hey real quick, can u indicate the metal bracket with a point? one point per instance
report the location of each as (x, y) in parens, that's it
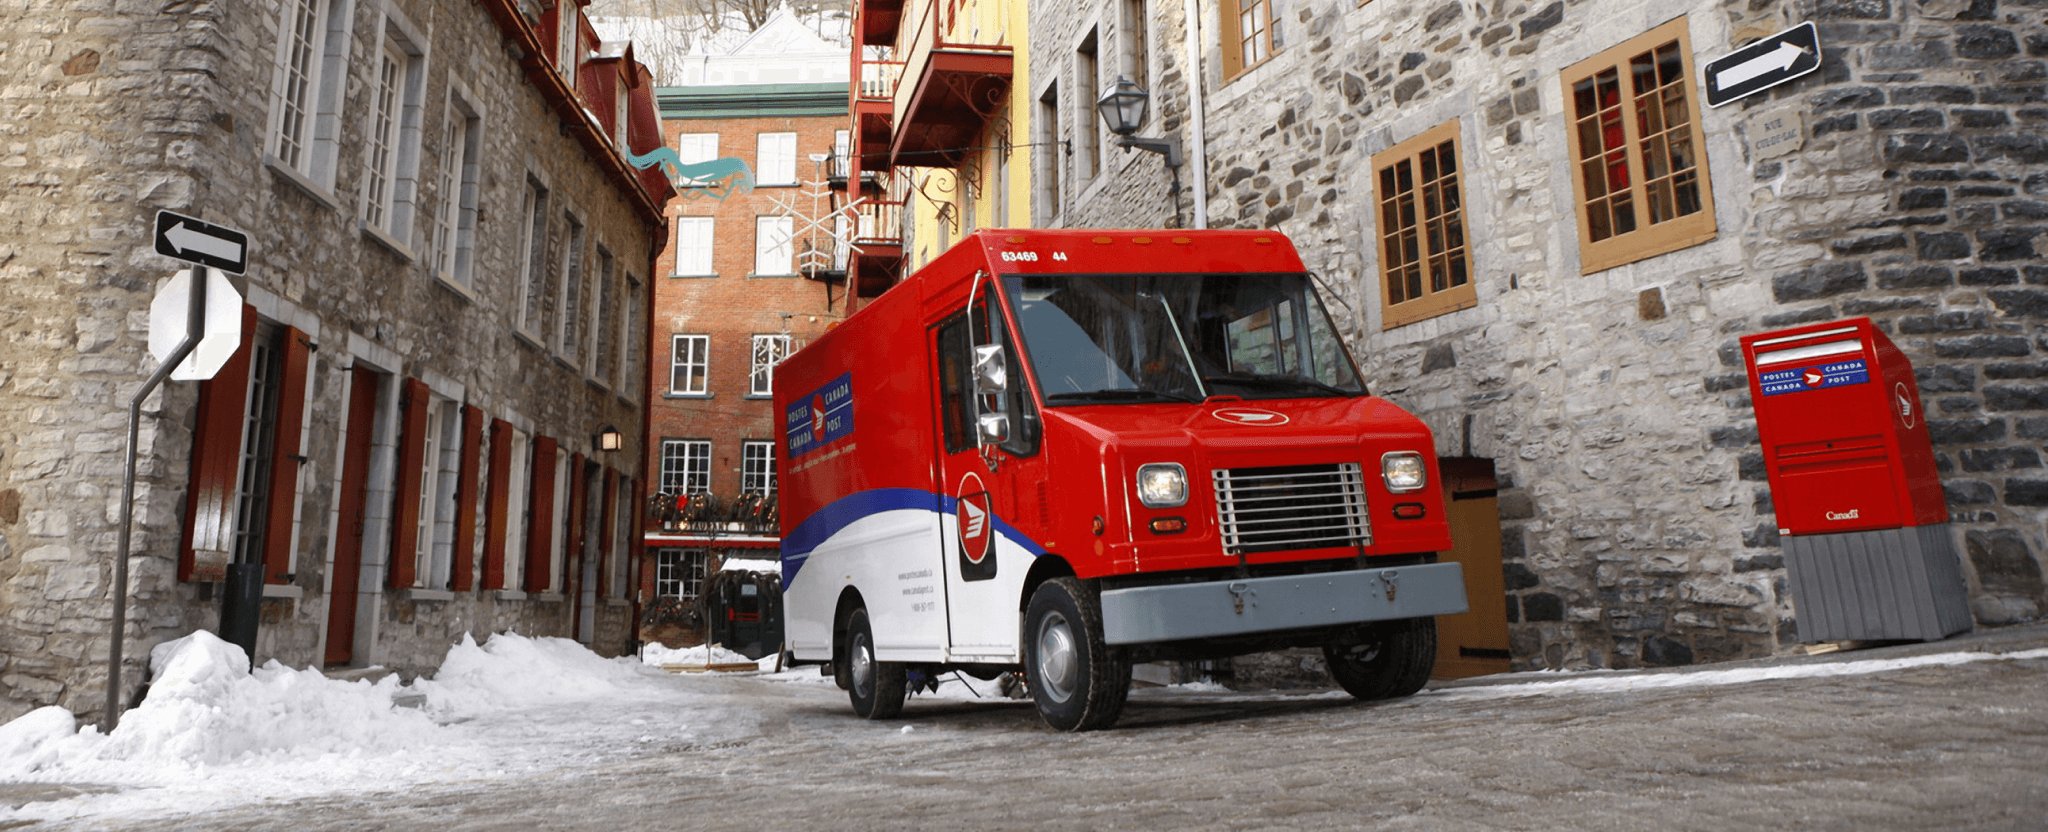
(1388, 578)
(1240, 593)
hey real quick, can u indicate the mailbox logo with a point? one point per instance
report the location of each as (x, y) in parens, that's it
(1851, 514)
(1817, 377)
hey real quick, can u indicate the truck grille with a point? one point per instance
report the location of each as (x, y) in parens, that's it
(1291, 507)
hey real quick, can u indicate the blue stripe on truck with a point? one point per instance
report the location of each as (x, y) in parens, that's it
(798, 545)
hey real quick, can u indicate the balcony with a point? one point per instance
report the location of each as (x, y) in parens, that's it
(955, 79)
(873, 109)
(874, 260)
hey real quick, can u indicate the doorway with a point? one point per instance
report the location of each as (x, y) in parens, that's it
(353, 513)
(1473, 643)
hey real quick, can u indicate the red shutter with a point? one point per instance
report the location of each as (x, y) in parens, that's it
(412, 447)
(577, 500)
(465, 499)
(540, 543)
(608, 523)
(216, 459)
(497, 502)
(293, 358)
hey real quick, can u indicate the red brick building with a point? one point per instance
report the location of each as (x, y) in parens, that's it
(749, 276)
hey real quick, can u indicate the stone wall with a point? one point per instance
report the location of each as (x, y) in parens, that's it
(1637, 524)
(115, 111)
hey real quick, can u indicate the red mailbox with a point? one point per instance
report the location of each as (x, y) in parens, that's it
(1860, 508)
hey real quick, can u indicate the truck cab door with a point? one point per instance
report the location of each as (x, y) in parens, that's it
(988, 444)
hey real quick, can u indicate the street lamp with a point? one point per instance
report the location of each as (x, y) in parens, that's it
(1123, 107)
(609, 439)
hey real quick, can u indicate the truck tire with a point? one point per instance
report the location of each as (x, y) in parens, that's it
(1385, 660)
(876, 687)
(1079, 682)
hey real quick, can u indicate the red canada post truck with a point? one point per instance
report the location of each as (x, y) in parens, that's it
(1068, 451)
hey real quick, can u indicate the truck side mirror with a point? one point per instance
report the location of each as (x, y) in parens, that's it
(991, 370)
(993, 428)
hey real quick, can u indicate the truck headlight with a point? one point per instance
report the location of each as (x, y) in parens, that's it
(1403, 471)
(1162, 485)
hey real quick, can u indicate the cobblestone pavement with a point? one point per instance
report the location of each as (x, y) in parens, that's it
(1938, 747)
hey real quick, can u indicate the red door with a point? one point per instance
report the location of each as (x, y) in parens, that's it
(348, 543)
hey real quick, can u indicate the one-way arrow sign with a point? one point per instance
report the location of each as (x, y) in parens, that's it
(1763, 64)
(203, 243)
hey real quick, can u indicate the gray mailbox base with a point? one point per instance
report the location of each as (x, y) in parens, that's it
(1877, 585)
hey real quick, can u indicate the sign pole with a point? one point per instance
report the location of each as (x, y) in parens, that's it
(195, 329)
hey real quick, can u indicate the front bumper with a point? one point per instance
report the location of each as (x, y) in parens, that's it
(1176, 612)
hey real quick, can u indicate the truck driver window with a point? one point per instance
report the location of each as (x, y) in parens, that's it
(956, 420)
(1097, 339)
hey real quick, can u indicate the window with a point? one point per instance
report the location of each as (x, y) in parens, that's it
(1137, 55)
(440, 464)
(1640, 178)
(685, 466)
(689, 365)
(393, 144)
(1425, 263)
(693, 245)
(1251, 33)
(775, 159)
(769, 350)
(757, 468)
(774, 245)
(455, 221)
(246, 455)
(568, 32)
(605, 365)
(630, 345)
(692, 148)
(520, 478)
(533, 231)
(1049, 153)
(679, 573)
(305, 90)
(569, 313)
(1087, 125)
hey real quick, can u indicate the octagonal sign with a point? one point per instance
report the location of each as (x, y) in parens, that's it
(221, 335)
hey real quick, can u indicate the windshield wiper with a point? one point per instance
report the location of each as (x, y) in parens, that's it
(1121, 395)
(1279, 383)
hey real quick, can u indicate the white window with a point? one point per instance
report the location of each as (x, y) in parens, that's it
(392, 156)
(685, 466)
(757, 468)
(521, 481)
(440, 465)
(606, 362)
(305, 89)
(622, 116)
(558, 541)
(533, 244)
(769, 350)
(689, 365)
(774, 245)
(693, 245)
(568, 31)
(570, 308)
(455, 220)
(693, 148)
(775, 159)
(679, 573)
(630, 345)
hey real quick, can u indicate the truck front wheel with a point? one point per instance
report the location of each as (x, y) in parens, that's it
(1079, 682)
(876, 687)
(1385, 660)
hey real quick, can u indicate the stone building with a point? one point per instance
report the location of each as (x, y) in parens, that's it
(448, 268)
(751, 276)
(1555, 281)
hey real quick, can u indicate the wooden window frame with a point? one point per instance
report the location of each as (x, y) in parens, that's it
(1232, 37)
(215, 495)
(1432, 249)
(1646, 238)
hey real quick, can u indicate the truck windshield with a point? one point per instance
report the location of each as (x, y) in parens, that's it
(1096, 339)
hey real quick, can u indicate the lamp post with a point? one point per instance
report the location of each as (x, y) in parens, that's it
(1123, 107)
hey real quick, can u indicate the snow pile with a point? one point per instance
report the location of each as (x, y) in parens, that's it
(658, 655)
(511, 671)
(206, 709)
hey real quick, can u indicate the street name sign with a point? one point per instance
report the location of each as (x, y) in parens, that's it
(1763, 64)
(197, 241)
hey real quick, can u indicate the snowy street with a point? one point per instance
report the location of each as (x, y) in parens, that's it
(535, 734)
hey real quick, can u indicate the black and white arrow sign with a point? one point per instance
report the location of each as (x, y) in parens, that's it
(1763, 64)
(203, 243)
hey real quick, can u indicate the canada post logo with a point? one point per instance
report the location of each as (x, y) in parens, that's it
(1816, 377)
(820, 417)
